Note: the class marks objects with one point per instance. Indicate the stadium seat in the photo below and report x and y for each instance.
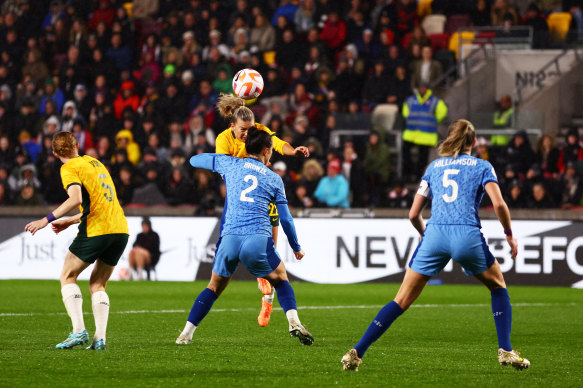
(384, 116)
(439, 41)
(488, 36)
(454, 22)
(454, 41)
(434, 24)
(559, 24)
(424, 8)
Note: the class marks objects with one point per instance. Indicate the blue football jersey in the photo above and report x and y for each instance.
(456, 187)
(250, 188)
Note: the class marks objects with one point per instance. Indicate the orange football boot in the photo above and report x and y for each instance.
(264, 286)
(265, 313)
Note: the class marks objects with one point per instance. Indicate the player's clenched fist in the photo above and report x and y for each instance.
(300, 254)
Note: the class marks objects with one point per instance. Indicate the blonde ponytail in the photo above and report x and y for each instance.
(232, 108)
(460, 136)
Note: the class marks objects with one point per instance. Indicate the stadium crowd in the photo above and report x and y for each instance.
(137, 85)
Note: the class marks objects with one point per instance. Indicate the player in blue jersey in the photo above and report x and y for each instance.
(456, 184)
(246, 234)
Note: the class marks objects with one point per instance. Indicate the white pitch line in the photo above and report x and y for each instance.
(354, 307)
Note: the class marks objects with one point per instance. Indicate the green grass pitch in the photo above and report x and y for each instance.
(447, 339)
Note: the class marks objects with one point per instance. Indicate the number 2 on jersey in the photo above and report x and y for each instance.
(450, 182)
(249, 189)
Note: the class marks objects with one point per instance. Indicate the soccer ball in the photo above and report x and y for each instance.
(247, 84)
(124, 274)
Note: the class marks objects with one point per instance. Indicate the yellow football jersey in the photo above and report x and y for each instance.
(102, 213)
(228, 144)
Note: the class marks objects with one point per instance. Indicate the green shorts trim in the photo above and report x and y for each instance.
(107, 248)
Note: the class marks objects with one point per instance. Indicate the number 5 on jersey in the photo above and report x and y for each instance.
(450, 182)
(249, 189)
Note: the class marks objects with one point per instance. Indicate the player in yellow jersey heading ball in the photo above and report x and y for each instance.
(102, 236)
(232, 142)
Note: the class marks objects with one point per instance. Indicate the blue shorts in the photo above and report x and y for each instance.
(462, 243)
(257, 253)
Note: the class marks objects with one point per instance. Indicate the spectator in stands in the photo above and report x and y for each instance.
(354, 172)
(35, 67)
(376, 87)
(119, 52)
(480, 14)
(514, 196)
(312, 171)
(572, 152)
(126, 98)
(104, 14)
(29, 196)
(423, 112)
(51, 93)
(144, 9)
(481, 149)
(333, 190)
(288, 52)
(540, 199)
(427, 69)
(68, 116)
(145, 253)
(547, 156)
(535, 19)
(502, 119)
(262, 37)
(178, 188)
(304, 16)
(501, 10)
(125, 140)
(334, 32)
(399, 197)
(377, 164)
(399, 87)
(519, 153)
(406, 15)
(571, 188)
(84, 138)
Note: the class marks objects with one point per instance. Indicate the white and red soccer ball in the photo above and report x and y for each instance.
(247, 84)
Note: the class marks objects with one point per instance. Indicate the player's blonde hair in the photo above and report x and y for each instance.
(460, 136)
(233, 108)
(65, 144)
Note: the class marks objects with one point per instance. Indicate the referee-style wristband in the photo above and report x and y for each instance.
(51, 217)
(508, 232)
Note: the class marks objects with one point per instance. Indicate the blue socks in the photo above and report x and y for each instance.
(286, 296)
(502, 312)
(202, 305)
(379, 325)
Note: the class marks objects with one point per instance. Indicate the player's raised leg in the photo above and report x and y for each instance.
(502, 313)
(73, 300)
(410, 289)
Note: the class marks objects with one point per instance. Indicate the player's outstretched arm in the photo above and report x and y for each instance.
(206, 161)
(74, 200)
(298, 151)
(287, 223)
(502, 213)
